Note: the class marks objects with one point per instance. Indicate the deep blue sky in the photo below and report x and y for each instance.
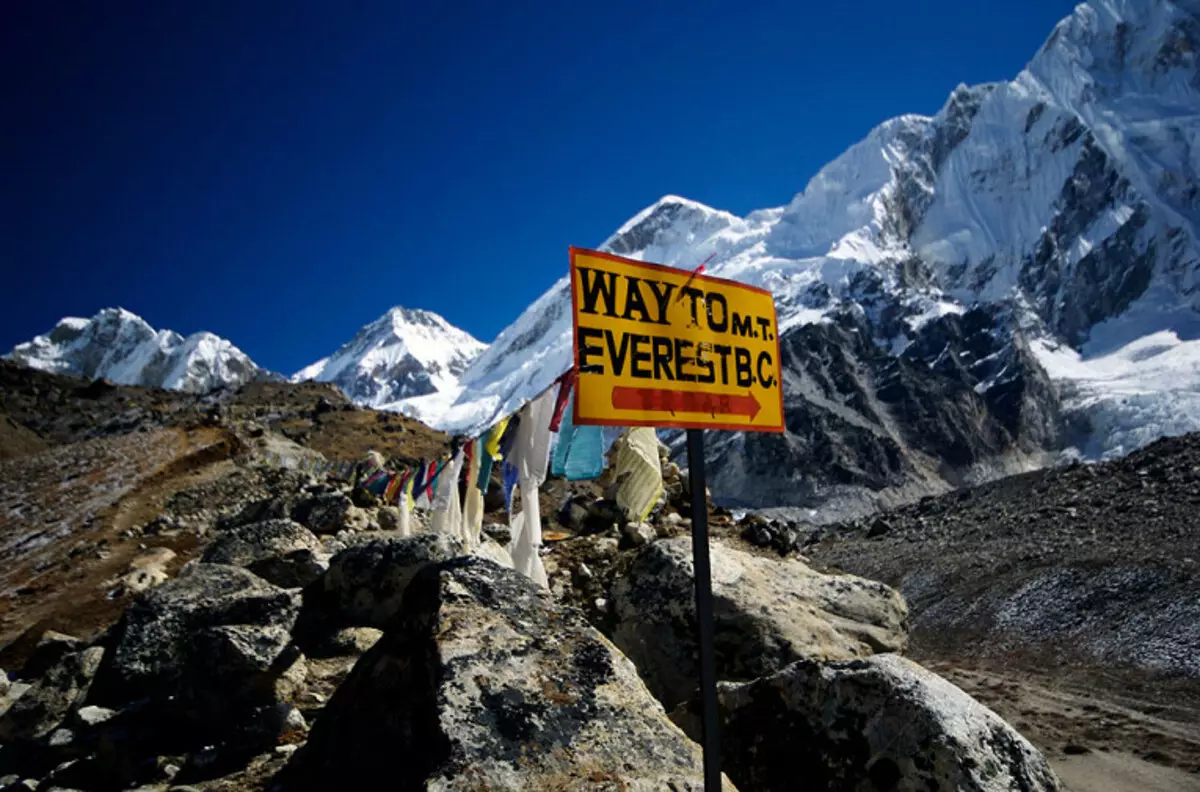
(282, 172)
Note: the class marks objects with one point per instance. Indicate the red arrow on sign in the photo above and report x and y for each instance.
(660, 400)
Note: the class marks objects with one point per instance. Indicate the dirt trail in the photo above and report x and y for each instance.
(1132, 744)
(63, 582)
(1120, 772)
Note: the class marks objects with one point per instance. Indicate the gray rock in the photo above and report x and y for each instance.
(50, 699)
(364, 499)
(146, 571)
(768, 613)
(324, 514)
(499, 533)
(883, 723)
(573, 513)
(388, 518)
(61, 737)
(294, 723)
(351, 641)
(366, 582)
(486, 682)
(279, 551)
(605, 515)
(235, 652)
(215, 632)
(879, 527)
(92, 715)
(5, 684)
(493, 551)
(273, 508)
(360, 519)
(759, 534)
(637, 535)
(15, 691)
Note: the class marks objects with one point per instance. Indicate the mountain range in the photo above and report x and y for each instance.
(1009, 282)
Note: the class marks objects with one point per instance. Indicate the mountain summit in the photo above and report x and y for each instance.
(124, 348)
(403, 354)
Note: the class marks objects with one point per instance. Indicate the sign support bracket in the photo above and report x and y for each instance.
(704, 611)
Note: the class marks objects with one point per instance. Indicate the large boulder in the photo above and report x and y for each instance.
(366, 582)
(881, 724)
(216, 632)
(484, 681)
(326, 513)
(48, 701)
(768, 612)
(279, 551)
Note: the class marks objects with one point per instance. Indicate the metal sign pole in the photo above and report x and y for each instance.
(716, 354)
(704, 611)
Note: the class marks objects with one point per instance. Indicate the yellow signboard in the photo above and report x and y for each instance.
(658, 346)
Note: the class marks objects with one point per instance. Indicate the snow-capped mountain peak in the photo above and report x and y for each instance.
(944, 255)
(958, 295)
(123, 347)
(403, 354)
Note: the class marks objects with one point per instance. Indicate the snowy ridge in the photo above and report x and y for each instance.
(401, 355)
(1068, 194)
(122, 347)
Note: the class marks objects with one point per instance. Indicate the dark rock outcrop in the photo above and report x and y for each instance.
(214, 640)
(326, 513)
(866, 427)
(366, 582)
(279, 551)
(485, 682)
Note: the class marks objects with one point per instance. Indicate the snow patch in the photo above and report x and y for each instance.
(1146, 389)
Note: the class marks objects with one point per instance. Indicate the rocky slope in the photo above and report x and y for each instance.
(1044, 588)
(216, 673)
(190, 565)
(120, 346)
(401, 355)
(1099, 562)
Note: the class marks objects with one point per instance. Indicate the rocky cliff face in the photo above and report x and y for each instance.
(965, 400)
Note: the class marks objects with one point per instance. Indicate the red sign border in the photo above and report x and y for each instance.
(658, 423)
